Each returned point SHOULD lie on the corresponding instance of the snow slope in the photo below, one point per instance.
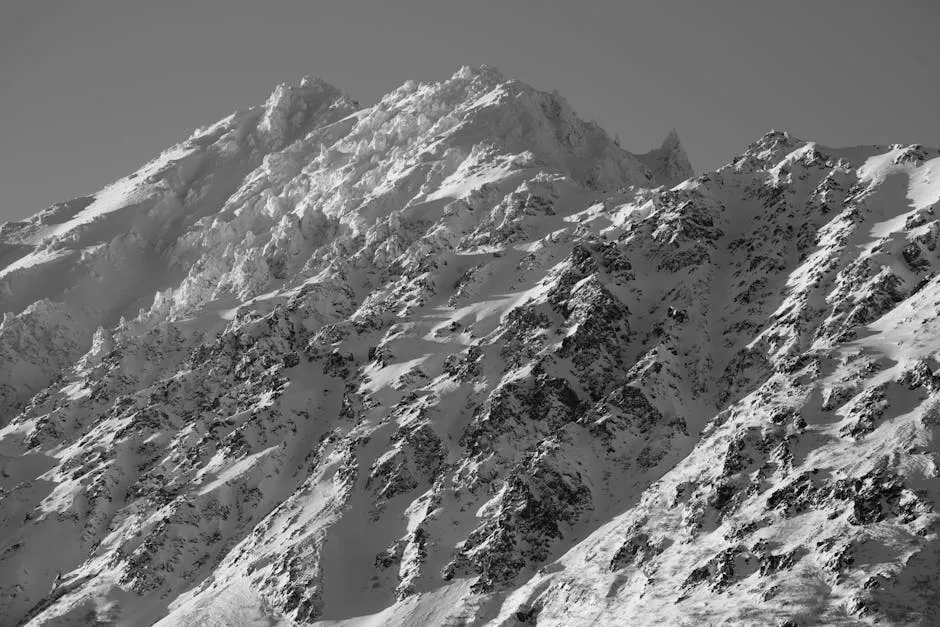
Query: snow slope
(458, 358)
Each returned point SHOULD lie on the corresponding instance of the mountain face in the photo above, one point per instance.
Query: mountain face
(458, 358)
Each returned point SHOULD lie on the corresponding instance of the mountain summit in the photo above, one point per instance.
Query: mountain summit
(458, 358)
(669, 163)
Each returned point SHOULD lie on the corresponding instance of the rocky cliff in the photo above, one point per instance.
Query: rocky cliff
(458, 358)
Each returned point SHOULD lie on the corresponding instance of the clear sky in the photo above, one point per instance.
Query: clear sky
(90, 90)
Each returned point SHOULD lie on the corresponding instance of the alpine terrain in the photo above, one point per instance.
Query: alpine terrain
(458, 358)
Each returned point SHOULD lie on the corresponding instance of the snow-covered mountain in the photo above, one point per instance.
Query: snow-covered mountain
(458, 358)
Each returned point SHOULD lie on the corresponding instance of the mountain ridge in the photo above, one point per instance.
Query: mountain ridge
(459, 357)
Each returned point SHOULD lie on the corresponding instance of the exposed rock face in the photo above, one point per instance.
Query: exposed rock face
(458, 358)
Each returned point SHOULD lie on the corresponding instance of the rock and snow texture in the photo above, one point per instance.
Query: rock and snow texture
(457, 358)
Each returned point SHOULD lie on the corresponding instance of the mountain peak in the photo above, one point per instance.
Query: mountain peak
(478, 105)
(671, 142)
(485, 72)
(458, 358)
(290, 105)
(669, 163)
(768, 149)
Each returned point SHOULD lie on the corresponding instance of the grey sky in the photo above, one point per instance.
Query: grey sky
(89, 90)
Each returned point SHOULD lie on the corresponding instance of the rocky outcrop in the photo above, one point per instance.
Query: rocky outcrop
(458, 357)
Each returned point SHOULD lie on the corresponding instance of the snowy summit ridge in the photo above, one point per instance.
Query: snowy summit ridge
(458, 357)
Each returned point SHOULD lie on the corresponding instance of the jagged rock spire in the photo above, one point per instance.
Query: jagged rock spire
(669, 163)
